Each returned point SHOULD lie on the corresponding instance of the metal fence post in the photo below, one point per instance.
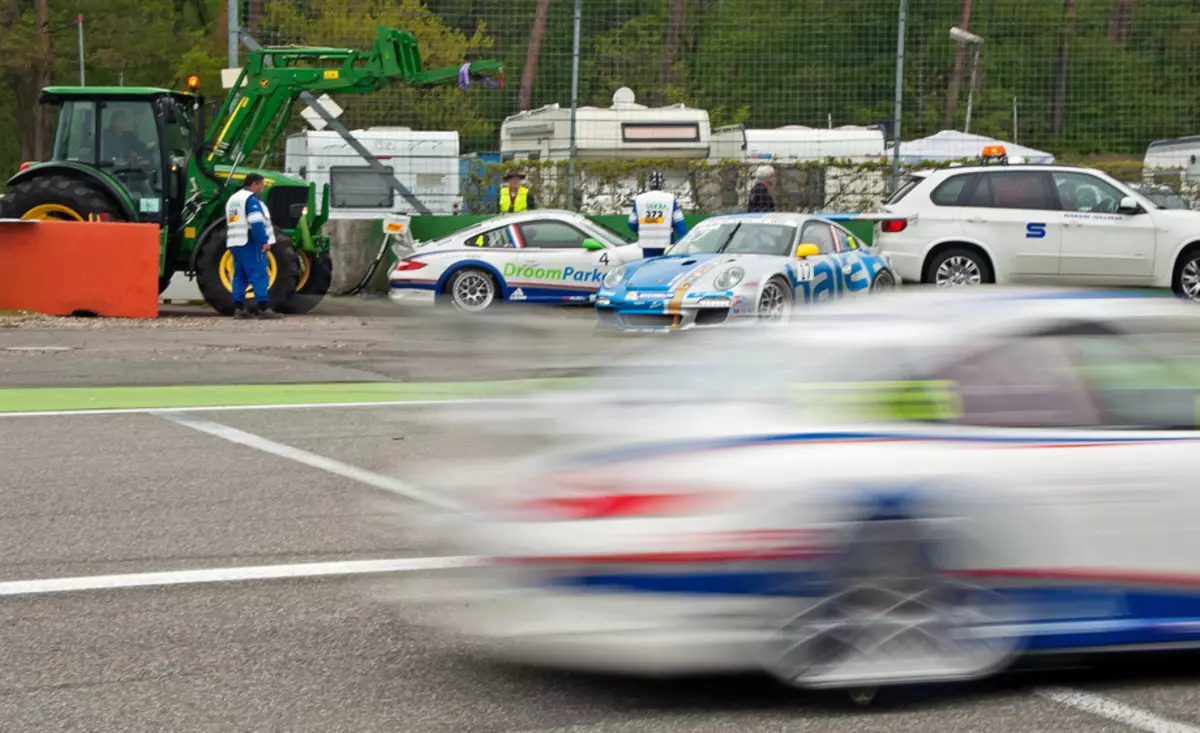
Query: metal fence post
(574, 106)
(899, 97)
(233, 26)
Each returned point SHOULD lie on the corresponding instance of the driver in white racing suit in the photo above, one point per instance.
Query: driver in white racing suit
(657, 218)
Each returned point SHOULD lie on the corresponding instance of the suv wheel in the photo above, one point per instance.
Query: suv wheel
(1187, 276)
(956, 268)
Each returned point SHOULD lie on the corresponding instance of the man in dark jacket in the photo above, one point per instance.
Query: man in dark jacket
(760, 193)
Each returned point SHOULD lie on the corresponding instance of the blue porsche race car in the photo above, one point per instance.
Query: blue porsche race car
(741, 266)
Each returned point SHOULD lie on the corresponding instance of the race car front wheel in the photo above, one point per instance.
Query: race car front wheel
(885, 280)
(472, 290)
(775, 301)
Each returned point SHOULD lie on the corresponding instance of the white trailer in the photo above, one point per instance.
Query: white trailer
(426, 162)
(797, 143)
(1175, 164)
(625, 131)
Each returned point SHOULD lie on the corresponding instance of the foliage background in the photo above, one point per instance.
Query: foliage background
(1090, 77)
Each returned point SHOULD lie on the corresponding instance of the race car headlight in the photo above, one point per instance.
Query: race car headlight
(729, 278)
(614, 277)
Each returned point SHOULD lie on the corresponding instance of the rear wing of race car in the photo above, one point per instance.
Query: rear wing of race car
(397, 232)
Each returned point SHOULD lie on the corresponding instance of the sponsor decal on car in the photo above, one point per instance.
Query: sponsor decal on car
(528, 272)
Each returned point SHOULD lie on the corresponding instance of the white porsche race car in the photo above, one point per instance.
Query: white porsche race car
(541, 256)
(909, 488)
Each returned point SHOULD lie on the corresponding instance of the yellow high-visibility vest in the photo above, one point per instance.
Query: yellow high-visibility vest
(507, 204)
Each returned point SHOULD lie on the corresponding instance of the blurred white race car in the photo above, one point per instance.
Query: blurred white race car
(918, 487)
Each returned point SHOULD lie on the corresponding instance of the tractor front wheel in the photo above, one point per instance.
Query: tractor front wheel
(315, 278)
(214, 273)
(60, 198)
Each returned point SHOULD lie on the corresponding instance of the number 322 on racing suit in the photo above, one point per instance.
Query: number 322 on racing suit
(657, 219)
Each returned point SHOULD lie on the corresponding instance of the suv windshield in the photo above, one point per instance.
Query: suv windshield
(738, 237)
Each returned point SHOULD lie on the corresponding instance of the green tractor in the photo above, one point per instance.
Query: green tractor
(140, 154)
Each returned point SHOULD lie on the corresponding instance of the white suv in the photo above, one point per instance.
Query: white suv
(1036, 224)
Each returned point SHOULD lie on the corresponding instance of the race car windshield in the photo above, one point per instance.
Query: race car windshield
(609, 236)
(733, 237)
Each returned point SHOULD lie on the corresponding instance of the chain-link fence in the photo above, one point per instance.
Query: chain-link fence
(732, 84)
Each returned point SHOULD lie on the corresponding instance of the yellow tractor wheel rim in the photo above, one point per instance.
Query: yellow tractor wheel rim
(226, 271)
(305, 270)
(51, 212)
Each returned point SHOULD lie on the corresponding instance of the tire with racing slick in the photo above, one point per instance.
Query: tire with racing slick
(214, 272)
(313, 282)
(775, 301)
(959, 267)
(1185, 279)
(472, 290)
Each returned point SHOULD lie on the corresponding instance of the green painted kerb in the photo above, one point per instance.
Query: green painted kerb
(70, 399)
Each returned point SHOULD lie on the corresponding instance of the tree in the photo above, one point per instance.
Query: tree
(1064, 55)
(352, 24)
(674, 30)
(136, 38)
(529, 72)
(951, 113)
(1120, 20)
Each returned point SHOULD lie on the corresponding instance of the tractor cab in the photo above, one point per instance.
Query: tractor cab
(138, 138)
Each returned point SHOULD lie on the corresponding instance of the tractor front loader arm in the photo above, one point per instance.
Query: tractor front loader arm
(275, 77)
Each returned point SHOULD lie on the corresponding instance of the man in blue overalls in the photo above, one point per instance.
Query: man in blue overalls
(248, 238)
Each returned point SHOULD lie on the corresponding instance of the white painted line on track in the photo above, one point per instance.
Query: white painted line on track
(231, 408)
(329, 465)
(229, 575)
(1119, 712)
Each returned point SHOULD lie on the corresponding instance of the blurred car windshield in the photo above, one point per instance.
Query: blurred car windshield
(738, 237)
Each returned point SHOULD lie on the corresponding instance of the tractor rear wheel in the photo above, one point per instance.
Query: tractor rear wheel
(315, 277)
(60, 198)
(214, 273)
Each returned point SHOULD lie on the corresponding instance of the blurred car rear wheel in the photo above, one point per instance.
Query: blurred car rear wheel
(888, 615)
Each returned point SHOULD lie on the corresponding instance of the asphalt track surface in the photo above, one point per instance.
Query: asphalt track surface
(129, 494)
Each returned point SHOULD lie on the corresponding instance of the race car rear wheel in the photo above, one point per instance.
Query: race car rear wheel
(775, 301)
(887, 612)
(472, 290)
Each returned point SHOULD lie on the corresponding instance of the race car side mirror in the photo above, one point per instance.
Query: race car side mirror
(807, 250)
(591, 245)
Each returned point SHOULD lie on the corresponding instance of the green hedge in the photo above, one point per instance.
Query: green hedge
(708, 187)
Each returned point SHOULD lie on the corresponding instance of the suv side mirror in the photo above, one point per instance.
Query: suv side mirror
(592, 245)
(1129, 205)
(807, 250)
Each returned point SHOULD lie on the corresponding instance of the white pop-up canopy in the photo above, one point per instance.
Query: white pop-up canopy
(954, 145)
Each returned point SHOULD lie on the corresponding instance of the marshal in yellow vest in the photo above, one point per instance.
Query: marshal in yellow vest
(507, 203)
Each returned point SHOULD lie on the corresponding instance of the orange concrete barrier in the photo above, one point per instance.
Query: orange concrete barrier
(60, 268)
